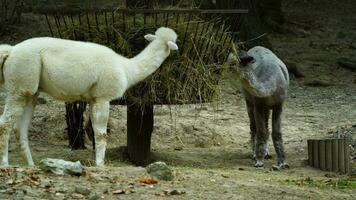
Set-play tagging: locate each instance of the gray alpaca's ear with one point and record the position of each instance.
(150, 37)
(172, 45)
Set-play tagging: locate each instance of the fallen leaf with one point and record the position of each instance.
(124, 191)
(148, 181)
(225, 176)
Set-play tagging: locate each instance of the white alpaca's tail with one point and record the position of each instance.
(4, 53)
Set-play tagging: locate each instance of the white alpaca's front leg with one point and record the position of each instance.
(99, 114)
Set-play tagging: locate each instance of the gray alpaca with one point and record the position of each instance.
(264, 78)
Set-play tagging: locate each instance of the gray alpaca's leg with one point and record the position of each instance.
(277, 136)
(262, 133)
(99, 114)
(267, 154)
(251, 116)
(13, 110)
(21, 129)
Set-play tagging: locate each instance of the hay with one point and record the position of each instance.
(191, 75)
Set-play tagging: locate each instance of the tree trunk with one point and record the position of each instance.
(139, 131)
(74, 118)
(261, 13)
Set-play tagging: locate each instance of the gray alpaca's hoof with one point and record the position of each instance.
(280, 166)
(259, 164)
(268, 156)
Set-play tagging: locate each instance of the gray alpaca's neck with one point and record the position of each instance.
(146, 62)
(251, 83)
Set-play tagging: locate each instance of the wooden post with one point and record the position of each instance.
(316, 153)
(335, 153)
(328, 152)
(322, 164)
(310, 152)
(347, 157)
(139, 131)
(74, 118)
(341, 155)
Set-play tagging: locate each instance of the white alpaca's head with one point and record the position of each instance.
(167, 35)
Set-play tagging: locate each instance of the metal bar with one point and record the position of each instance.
(155, 15)
(167, 18)
(65, 22)
(97, 22)
(151, 11)
(186, 29)
(49, 26)
(134, 19)
(124, 22)
(144, 23)
(58, 25)
(113, 24)
(80, 20)
(107, 27)
(88, 22)
(177, 20)
(73, 25)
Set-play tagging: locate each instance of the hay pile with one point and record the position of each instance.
(191, 75)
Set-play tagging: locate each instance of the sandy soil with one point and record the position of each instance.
(207, 145)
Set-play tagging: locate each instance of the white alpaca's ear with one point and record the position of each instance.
(150, 37)
(172, 45)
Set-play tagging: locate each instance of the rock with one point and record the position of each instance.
(41, 100)
(293, 69)
(61, 167)
(82, 190)
(317, 83)
(160, 171)
(94, 196)
(347, 63)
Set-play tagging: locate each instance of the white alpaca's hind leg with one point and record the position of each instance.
(13, 110)
(22, 127)
(4, 139)
(99, 114)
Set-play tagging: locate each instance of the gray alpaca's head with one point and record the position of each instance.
(167, 35)
(240, 61)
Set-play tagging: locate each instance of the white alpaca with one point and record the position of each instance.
(71, 71)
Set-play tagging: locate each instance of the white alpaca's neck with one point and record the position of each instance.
(147, 62)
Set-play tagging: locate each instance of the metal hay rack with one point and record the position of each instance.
(112, 24)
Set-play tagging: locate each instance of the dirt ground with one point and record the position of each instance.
(207, 145)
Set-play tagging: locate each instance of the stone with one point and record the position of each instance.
(94, 196)
(41, 100)
(347, 63)
(160, 171)
(61, 167)
(82, 190)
